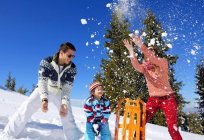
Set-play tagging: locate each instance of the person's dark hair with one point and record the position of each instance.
(66, 46)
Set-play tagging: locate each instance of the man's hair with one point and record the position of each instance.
(66, 46)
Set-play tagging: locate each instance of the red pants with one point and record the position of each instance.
(169, 106)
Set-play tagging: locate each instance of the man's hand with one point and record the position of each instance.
(63, 110)
(44, 105)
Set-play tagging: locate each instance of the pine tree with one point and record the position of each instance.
(119, 78)
(8, 81)
(194, 123)
(153, 38)
(13, 84)
(22, 90)
(200, 92)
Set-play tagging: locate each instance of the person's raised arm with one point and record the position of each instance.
(148, 53)
(133, 58)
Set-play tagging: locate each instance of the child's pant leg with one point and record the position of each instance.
(105, 132)
(169, 106)
(152, 106)
(89, 134)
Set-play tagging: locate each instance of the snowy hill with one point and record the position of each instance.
(1, 87)
(48, 126)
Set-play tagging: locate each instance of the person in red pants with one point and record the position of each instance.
(155, 70)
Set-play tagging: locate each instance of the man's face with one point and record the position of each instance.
(68, 56)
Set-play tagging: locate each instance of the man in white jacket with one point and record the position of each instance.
(55, 79)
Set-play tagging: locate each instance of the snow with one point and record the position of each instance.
(136, 32)
(92, 35)
(144, 34)
(152, 41)
(131, 35)
(164, 34)
(108, 5)
(124, 8)
(193, 52)
(97, 42)
(45, 126)
(169, 45)
(87, 43)
(83, 21)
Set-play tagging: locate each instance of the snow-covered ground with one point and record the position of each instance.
(44, 126)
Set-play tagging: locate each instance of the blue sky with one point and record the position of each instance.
(34, 29)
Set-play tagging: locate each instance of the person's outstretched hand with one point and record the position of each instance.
(44, 105)
(128, 45)
(137, 40)
(63, 110)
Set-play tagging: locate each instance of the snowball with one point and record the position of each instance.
(152, 41)
(124, 91)
(144, 34)
(164, 34)
(83, 21)
(169, 45)
(196, 47)
(193, 52)
(131, 35)
(97, 42)
(108, 5)
(136, 32)
(111, 51)
(87, 43)
(92, 35)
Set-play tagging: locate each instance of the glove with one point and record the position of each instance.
(104, 121)
(96, 129)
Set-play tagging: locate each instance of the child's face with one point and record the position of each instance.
(98, 92)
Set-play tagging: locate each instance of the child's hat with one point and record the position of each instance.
(94, 85)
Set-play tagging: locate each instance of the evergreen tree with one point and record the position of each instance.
(8, 81)
(193, 123)
(13, 84)
(22, 90)
(118, 76)
(200, 92)
(153, 38)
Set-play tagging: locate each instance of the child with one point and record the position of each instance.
(97, 109)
